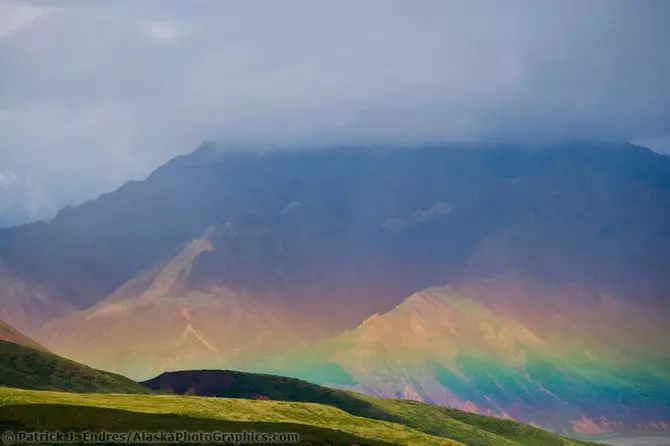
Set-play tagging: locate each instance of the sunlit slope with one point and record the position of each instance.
(561, 357)
(221, 410)
(21, 408)
(54, 416)
(471, 429)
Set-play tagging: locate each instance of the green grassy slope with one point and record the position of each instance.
(25, 408)
(28, 368)
(30, 417)
(466, 427)
(470, 429)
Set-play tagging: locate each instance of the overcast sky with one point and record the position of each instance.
(93, 93)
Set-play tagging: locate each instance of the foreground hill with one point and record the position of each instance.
(22, 408)
(316, 423)
(558, 356)
(470, 429)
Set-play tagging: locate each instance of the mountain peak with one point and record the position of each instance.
(496, 347)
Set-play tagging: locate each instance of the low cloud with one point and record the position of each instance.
(163, 29)
(94, 93)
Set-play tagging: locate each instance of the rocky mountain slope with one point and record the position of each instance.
(559, 356)
(350, 232)
(155, 323)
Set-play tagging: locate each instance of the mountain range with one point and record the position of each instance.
(519, 281)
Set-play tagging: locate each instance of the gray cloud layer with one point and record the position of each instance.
(93, 93)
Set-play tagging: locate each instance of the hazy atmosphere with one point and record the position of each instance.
(103, 92)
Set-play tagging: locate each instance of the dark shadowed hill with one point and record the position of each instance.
(467, 428)
(234, 384)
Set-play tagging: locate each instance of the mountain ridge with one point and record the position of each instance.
(154, 323)
(104, 250)
(487, 348)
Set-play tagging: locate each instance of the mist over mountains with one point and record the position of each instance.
(23, 201)
(242, 259)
